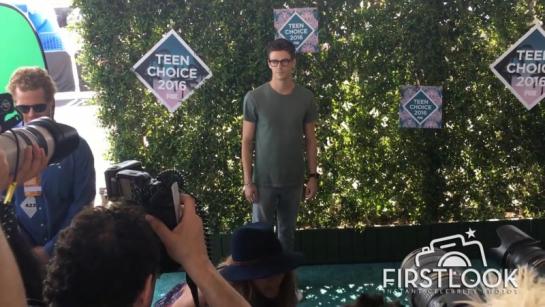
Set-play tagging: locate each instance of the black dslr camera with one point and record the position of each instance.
(128, 183)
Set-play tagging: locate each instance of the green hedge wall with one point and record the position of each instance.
(487, 162)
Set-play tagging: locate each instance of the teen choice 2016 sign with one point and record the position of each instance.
(299, 26)
(522, 67)
(172, 70)
(421, 107)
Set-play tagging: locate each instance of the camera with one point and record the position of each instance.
(437, 291)
(128, 184)
(57, 140)
(518, 248)
(428, 287)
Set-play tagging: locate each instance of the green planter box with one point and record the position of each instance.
(382, 243)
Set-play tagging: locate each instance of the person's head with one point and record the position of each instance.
(259, 267)
(281, 59)
(106, 257)
(33, 92)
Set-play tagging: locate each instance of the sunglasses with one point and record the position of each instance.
(283, 62)
(38, 108)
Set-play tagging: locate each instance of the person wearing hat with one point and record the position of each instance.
(259, 269)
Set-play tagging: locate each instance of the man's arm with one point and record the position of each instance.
(12, 292)
(185, 244)
(312, 158)
(248, 134)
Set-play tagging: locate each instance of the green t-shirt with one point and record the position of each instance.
(279, 135)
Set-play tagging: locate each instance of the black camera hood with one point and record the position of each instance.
(66, 138)
(510, 238)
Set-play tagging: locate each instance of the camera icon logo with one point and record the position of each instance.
(456, 248)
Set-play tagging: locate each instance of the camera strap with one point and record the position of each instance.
(178, 211)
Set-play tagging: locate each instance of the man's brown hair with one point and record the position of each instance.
(30, 79)
(281, 44)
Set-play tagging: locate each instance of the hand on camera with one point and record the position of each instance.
(34, 161)
(185, 243)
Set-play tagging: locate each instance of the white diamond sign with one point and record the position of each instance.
(172, 70)
(522, 67)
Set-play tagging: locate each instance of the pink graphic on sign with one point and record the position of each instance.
(298, 25)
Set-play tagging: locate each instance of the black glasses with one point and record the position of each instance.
(283, 62)
(38, 108)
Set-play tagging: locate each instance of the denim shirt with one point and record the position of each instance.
(66, 188)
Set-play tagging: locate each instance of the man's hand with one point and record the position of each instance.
(34, 161)
(185, 243)
(311, 188)
(4, 171)
(250, 192)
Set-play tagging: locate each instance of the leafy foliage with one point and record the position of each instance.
(486, 162)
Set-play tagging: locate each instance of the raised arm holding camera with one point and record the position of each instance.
(185, 244)
(12, 291)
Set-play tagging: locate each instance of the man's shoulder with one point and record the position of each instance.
(301, 90)
(83, 148)
(260, 90)
(80, 154)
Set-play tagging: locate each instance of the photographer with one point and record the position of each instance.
(12, 292)
(110, 257)
(46, 203)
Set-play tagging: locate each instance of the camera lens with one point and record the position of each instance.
(518, 249)
(57, 140)
(438, 293)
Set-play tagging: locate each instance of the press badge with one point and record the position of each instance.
(33, 187)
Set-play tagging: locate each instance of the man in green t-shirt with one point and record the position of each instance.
(281, 117)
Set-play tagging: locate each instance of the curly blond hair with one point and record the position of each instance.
(32, 78)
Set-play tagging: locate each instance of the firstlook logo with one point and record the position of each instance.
(445, 264)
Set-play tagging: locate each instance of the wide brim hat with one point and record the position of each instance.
(257, 253)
